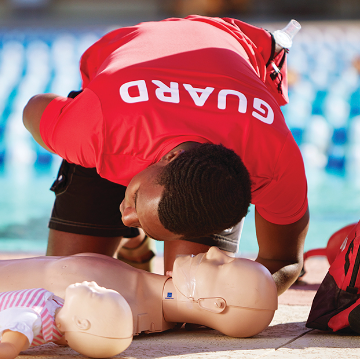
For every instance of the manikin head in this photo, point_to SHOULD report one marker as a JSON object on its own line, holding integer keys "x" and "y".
{"x": 97, "y": 322}
{"x": 236, "y": 296}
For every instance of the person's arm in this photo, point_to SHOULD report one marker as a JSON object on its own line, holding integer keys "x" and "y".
{"x": 12, "y": 343}
{"x": 32, "y": 115}
{"x": 281, "y": 249}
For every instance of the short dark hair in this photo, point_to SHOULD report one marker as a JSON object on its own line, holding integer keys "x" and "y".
{"x": 207, "y": 189}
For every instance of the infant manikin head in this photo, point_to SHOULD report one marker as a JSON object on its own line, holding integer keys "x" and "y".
{"x": 236, "y": 296}
{"x": 97, "y": 322}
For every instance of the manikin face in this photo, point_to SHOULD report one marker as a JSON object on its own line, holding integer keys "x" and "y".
{"x": 95, "y": 310}
{"x": 241, "y": 282}
{"x": 140, "y": 206}
{"x": 190, "y": 273}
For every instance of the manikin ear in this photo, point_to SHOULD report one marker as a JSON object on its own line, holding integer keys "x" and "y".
{"x": 214, "y": 305}
{"x": 82, "y": 324}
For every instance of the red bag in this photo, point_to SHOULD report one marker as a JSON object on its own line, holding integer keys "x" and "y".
{"x": 336, "y": 306}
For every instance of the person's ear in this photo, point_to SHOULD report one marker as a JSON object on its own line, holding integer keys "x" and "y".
{"x": 172, "y": 155}
{"x": 214, "y": 305}
{"x": 81, "y": 323}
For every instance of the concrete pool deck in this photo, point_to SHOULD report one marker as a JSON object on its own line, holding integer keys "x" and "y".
{"x": 286, "y": 337}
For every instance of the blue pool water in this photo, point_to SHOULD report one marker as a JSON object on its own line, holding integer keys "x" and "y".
{"x": 26, "y": 202}
{"x": 323, "y": 114}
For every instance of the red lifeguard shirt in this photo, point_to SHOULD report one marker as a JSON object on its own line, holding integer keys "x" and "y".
{"x": 153, "y": 86}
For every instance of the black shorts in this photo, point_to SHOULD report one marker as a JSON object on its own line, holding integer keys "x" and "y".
{"x": 89, "y": 204}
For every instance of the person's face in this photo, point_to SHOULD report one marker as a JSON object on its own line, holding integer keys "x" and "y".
{"x": 140, "y": 206}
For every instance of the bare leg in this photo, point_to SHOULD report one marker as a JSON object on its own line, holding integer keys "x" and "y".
{"x": 65, "y": 244}
{"x": 138, "y": 251}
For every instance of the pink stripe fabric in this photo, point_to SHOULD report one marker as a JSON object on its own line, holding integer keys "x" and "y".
{"x": 37, "y": 300}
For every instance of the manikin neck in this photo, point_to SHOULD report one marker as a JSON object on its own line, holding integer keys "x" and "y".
{"x": 176, "y": 307}
{"x": 169, "y": 299}
{"x": 169, "y": 292}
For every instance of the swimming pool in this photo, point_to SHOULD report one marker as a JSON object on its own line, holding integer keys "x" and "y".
{"x": 324, "y": 116}
{"x": 26, "y": 202}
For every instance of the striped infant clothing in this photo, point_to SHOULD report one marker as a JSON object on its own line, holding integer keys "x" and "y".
{"x": 31, "y": 312}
